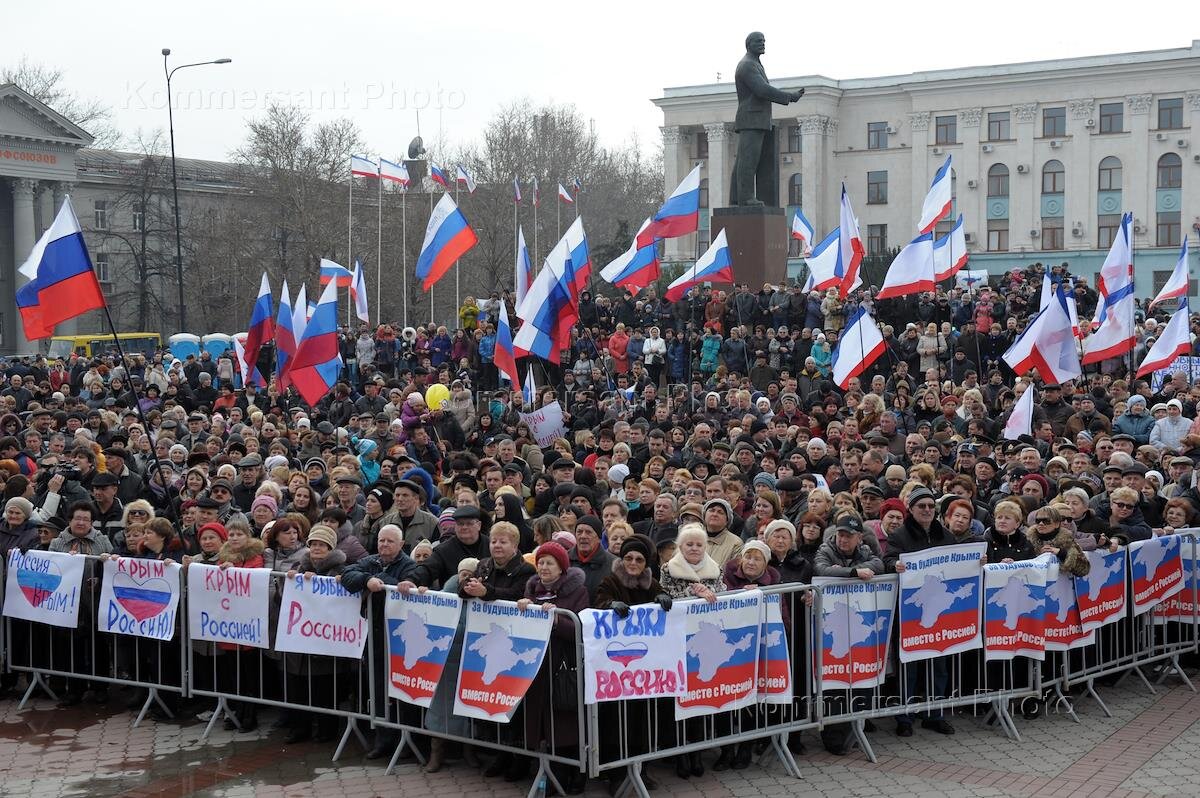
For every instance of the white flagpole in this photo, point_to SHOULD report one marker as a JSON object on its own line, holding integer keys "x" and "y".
{"x": 378, "y": 249}
{"x": 431, "y": 287}
{"x": 536, "y": 201}
{"x": 457, "y": 271}
{"x": 516, "y": 247}
{"x": 349, "y": 238}
{"x": 404, "y": 251}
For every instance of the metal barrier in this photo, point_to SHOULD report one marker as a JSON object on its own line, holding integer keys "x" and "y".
{"x": 311, "y": 688}
{"x": 85, "y": 659}
{"x": 541, "y": 729}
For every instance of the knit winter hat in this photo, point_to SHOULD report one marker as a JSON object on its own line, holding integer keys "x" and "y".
{"x": 554, "y": 550}
{"x": 323, "y": 533}
{"x": 213, "y": 526}
{"x": 22, "y": 504}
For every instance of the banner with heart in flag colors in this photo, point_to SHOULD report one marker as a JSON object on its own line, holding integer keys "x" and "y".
{"x": 1014, "y": 609}
{"x": 639, "y": 656}
{"x": 1064, "y": 629}
{"x": 319, "y": 616}
{"x": 503, "y": 649}
{"x": 856, "y": 626}
{"x": 940, "y": 598}
{"x": 44, "y": 586}
{"x": 1101, "y": 594}
{"x": 420, "y": 635}
{"x": 721, "y": 645}
{"x": 139, "y": 597}
{"x": 1156, "y": 567}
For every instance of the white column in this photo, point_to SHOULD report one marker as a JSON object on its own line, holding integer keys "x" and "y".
{"x": 24, "y": 237}
{"x": 1025, "y": 190}
{"x": 969, "y": 201}
{"x": 918, "y": 122}
{"x": 719, "y": 170}
{"x": 1191, "y": 173}
{"x": 814, "y": 195}
{"x": 1141, "y": 199}
{"x": 59, "y": 193}
{"x": 1082, "y": 175}
{"x": 675, "y": 143}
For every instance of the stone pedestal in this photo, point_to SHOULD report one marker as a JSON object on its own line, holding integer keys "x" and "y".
{"x": 758, "y": 243}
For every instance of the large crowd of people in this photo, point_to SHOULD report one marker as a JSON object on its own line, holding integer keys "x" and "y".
{"x": 705, "y": 448}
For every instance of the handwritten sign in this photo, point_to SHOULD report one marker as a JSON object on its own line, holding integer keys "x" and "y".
{"x": 44, "y": 586}
{"x": 721, "y": 644}
{"x": 503, "y": 649}
{"x": 420, "y": 632}
{"x": 319, "y": 616}
{"x": 228, "y": 606}
{"x": 940, "y": 599}
{"x": 545, "y": 424}
{"x": 856, "y": 629}
{"x": 640, "y": 656}
{"x": 139, "y": 598}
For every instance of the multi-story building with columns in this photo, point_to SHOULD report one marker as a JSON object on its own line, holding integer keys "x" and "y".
{"x": 1046, "y": 156}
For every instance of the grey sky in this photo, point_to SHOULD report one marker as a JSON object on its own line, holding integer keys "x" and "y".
{"x": 376, "y": 61}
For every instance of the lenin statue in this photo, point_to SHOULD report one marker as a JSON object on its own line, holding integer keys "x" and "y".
{"x": 756, "y": 168}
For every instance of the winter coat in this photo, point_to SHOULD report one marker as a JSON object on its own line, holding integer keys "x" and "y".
{"x": 22, "y": 538}
{"x": 1139, "y": 426}
{"x": 620, "y": 586}
{"x": 1071, "y": 559}
{"x": 911, "y": 537}
{"x": 678, "y": 576}
{"x": 710, "y": 353}
{"x": 503, "y": 583}
{"x": 830, "y": 561}
{"x": 1016, "y": 546}
{"x": 566, "y": 593}
{"x": 834, "y": 311}
{"x": 724, "y": 546}
{"x": 594, "y": 569}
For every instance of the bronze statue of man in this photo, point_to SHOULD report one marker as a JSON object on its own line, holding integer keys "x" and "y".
{"x": 756, "y": 168}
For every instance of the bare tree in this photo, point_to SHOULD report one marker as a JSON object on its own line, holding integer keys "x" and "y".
{"x": 48, "y": 85}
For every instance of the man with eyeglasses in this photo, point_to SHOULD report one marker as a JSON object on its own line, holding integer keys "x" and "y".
{"x": 108, "y": 520}
{"x": 921, "y": 531}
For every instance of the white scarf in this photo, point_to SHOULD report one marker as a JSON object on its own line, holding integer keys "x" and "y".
{"x": 680, "y": 568}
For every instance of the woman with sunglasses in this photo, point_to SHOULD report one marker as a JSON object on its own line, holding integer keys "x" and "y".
{"x": 1049, "y": 536}
{"x": 1124, "y": 517}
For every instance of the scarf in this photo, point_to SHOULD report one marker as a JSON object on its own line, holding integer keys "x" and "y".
{"x": 680, "y": 568}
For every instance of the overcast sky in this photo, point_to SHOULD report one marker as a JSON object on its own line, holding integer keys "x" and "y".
{"x": 376, "y": 62}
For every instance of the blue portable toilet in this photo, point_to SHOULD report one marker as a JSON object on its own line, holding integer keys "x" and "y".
{"x": 184, "y": 344}
{"x": 216, "y": 344}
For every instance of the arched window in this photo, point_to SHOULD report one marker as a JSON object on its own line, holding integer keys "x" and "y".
{"x": 1110, "y": 174}
{"x": 997, "y": 181}
{"x": 1054, "y": 178}
{"x": 704, "y": 192}
{"x": 1170, "y": 171}
{"x": 796, "y": 189}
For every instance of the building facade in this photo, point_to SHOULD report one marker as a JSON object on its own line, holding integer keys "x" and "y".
{"x": 1046, "y": 156}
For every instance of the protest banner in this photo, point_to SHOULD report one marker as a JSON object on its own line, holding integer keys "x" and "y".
{"x": 940, "y": 597}
{"x": 228, "y": 605}
{"x": 420, "y": 631}
{"x": 640, "y": 656}
{"x": 1184, "y": 364}
{"x": 856, "y": 630}
{"x": 503, "y": 649}
{"x": 774, "y": 653}
{"x": 545, "y": 424}
{"x": 1014, "y": 609}
{"x": 1064, "y": 629}
{"x": 721, "y": 647}
{"x": 139, "y": 597}
{"x": 1101, "y": 594}
{"x": 1182, "y": 606}
{"x": 1157, "y": 571}
{"x": 44, "y": 586}
{"x": 319, "y": 616}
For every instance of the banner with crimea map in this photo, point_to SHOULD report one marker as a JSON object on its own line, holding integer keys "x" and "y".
{"x": 503, "y": 649}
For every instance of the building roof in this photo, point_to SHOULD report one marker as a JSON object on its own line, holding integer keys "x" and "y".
{"x": 194, "y": 172}
{"x": 43, "y": 122}
{"x": 929, "y": 79}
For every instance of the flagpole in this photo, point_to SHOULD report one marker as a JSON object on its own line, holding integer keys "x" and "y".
{"x": 431, "y": 287}
{"x": 378, "y": 251}
{"x": 457, "y": 270}
{"x": 350, "y": 230}
{"x": 558, "y": 213}
{"x": 516, "y": 247}
{"x": 533, "y": 262}
{"x": 404, "y": 251}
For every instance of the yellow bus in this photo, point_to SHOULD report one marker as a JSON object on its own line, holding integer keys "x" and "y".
{"x": 95, "y": 344}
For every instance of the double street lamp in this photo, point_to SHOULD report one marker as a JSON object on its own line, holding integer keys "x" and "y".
{"x": 168, "y": 71}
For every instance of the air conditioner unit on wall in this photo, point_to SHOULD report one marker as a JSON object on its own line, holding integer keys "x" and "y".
{"x": 1054, "y": 145}
{"x": 972, "y": 184}
{"x": 969, "y": 237}
{"x": 1091, "y": 123}
{"x": 1077, "y": 232}
{"x": 892, "y": 130}
{"x": 1022, "y": 168}
{"x": 1182, "y": 144}
{"x": 937, "y": 150}
{"x": 1034, "y": 233}
{"x": 787, "y": 159}
{"x": 987, "y": 148}
{"x": 1160, "y": 136}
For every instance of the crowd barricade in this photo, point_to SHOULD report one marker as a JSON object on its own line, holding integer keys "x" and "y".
{"x": 308, "y": 687}
{"x": 544, "y": 727}
{"x": 75, "y": 659}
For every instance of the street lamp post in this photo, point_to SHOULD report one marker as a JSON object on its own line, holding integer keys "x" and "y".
{"x": 166, "y": 51}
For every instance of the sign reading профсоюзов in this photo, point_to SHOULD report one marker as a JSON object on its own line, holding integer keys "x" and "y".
{"x": 228, "y": 605}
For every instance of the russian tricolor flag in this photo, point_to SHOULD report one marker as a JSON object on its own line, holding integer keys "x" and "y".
{"x": 715, "y": 265}
{"x": 1177, "y": 286}
{"x": 549, "y": 298}
{"x": 335, "y": 273}
{"x": 262, "y": 323}
{"x": 581, "y": 259}
{"x": 529, "y": 389}
{"x": 804, "y": 232}
{"x": 1175, "y": 341}
{"x": 447, "y": 238}
{"x": 318, "y": 360}
{"x": 911, "y": 271}
{"x": 461, "y": 175}
{"x": 301, "y": 312}
{"x": 850, "y": 247}
{"x": 1047, "y": 344}
{"x": 524, "y": 276}
{"x": 396, "y": 172}
{"x": 565, "y": 195}
{"x": 250, "y": 372}
{"x": 285, "y": 339}
{"x": 678, "y": 216}
{"x": 503, "y": 356}
{"x": 362, "y": 167}
{"x": 859, "y": 346}
{"x": 62, "y": 283}
{"x": 635, "y": 268}
{"x": 516, "y": 190}
{"x": 438, "y": 175}
{"x": 939, "y": 200}
{"x": 950, "y": 252}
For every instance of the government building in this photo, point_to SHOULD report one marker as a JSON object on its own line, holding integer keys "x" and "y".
{"x": 1046, "y": 157}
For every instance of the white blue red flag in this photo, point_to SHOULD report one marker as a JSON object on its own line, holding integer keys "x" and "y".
{"x": 940, "y": 601}
{"x": 1047, "y": 344}
{"x": 803, "y": 231}
{"x": 396, "y": 172}
{"x": 503, "y": 355}
{"x": 363, "y": 167}
{"x": 301, "y": 312}
{"x": 548, "y": 300}
{"x": 860, "y": 345}
{"x": 1177, "y": 285}
{"x": 524, "y": 275}
{"x": 950, "y": 252}
{"x": 318, "y": 361}
{"x": 438, "y": 175}
{"x": 262, "y": 323}
{"x": 1113, "y": 334}
{"x": 911, "y": 271}
{"x": 1173, "y": 342}
{"x": 939, "y": 200}
{"x": 721, "y": 647}
{"x": 462, "y": 176}
{"x": 516, "y": 190}
{"x": 678, "y": 216}
{"x": 578, "y": 186}
{"x": 285, "y": 339}
{"x": 502, "y": 652}
{"x": 715, "y": 265}
{"x": 529, "y": 389}
{"x": 636, "y": 267}
{"x": 1156, "y": 568}
{"x": 62, "y": 283}
{"x": 564, "y": 195}
{"x": 447, "y": 238}
{"x": 335, "y": 273}
{"x": 420, "y": 635}
{"x": 1101, "y": 594}
{"x": 358, "y": 293}
{"x": 248, "y": 368}
{"x": 850, "y": 247}
{"x": 856, "y": 629}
